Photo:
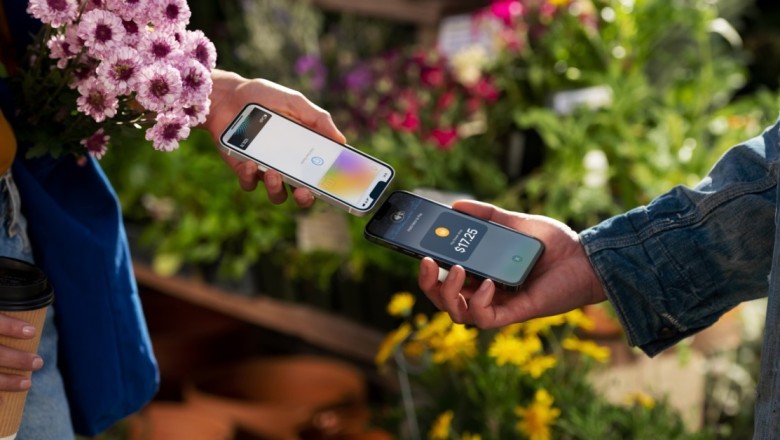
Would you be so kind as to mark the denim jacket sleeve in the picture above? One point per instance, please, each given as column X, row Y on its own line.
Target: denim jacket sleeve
column 673, row 267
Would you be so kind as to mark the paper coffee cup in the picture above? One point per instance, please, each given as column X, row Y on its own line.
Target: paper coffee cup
column 25, row 294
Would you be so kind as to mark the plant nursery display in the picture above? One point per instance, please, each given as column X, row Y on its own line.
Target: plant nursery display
column 575, row 109
column 646, row 99
column 525, row 381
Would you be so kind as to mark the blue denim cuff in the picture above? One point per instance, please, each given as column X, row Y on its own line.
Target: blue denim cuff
column 629, row 275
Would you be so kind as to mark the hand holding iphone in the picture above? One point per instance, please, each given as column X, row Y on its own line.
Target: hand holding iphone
column 334, row 172
column 420, row 227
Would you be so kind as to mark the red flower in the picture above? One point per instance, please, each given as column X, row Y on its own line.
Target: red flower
column 407, row 122
column 444, row 138
column 432, row 76
column 507, row 10
column 485, row 89
column 446, row 100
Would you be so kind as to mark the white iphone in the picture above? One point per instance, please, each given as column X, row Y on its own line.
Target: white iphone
column 336, row 173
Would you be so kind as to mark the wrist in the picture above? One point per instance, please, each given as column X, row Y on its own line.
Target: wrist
column 224, row 88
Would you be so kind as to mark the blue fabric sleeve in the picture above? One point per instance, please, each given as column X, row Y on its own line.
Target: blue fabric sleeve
column 673, row 267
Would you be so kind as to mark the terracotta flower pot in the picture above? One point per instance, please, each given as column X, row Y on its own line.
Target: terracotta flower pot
column 174, row 421
column 276, row 397
column 604, row 324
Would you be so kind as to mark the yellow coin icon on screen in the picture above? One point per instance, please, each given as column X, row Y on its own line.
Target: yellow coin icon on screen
column 442, row 231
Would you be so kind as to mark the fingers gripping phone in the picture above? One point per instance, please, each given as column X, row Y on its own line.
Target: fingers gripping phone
column 420, row 227
column 334, row 172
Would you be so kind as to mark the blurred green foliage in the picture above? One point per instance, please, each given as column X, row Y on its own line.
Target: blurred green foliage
column 674, row 71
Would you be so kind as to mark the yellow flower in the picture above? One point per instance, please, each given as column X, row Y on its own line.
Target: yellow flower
column 537, row 366
column 457, row 345
column 559, row 3
column 541, row 325
column 401, row 304
column 588, row 348
column 391, row 341
column 470, row 436
column 640, row 398
column 511, row 349
column 440, row 323
column 536, row 418
column 420, row 320
column 414, row 349
column 576, row 318
column 441, row 426
column 512, row 329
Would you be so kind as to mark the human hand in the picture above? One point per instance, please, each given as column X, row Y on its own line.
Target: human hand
column 231, row 93
column 562, row 279
column 16, row 359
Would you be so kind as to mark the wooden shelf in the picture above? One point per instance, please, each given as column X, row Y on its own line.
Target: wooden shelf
column 410, row 11
column 314, row 326
column 426, row 14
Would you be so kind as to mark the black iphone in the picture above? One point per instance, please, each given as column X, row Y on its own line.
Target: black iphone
column 420, row 227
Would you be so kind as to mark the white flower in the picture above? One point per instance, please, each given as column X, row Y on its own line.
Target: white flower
column 596, row 167
column 468, row 64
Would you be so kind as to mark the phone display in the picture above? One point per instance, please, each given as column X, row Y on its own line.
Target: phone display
column 421, row 227
column 335, row 172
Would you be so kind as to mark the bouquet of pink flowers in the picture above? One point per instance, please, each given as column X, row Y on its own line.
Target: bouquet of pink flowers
column 101, row 67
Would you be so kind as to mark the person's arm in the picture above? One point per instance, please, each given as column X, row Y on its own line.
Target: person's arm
column 670, row 268
column 674, row 267
column 231, row 93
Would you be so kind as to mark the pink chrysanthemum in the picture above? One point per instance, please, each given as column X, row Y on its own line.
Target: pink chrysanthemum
column 81, row 74
column 95, row 4
column 197, row 113
column 54, row 12
column 130, row 9
column 102, row 31
column 64, row 47
column 159, row 87
column 168, row 131
column 158, row 46
column 121, row 70
column 170, row 14
column 97, row 144
column 96, row 100
column 196, row 82
column 196, row 45
column 133, row 32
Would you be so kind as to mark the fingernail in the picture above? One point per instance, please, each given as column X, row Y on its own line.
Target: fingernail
column 423, row 270
column 484, row 286
column 28, row 330
column 37, row 363
column 25, row 384
column 273, row 180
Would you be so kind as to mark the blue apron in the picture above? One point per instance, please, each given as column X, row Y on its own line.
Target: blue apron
column 75, row 226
